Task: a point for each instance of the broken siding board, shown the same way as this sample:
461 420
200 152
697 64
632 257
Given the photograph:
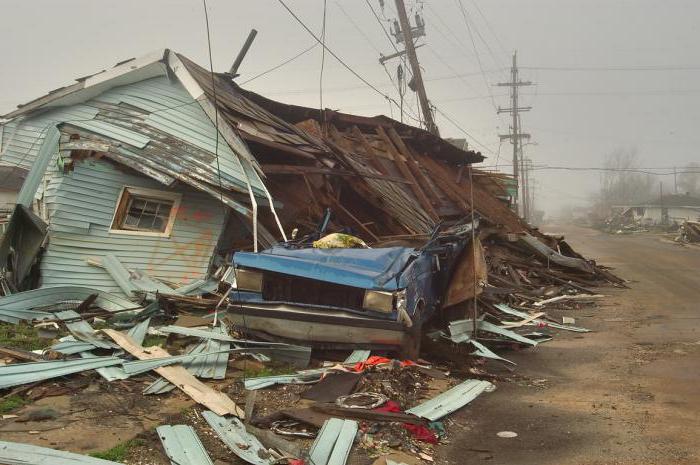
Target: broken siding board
333 443
14 453
182 445
450 400
233 433
22 146
200 392
541 322
25 373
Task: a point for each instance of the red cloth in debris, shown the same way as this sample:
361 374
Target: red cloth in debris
377 360
389 406
296 462
420 432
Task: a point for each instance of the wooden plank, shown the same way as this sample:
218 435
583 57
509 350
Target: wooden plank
406 172
370 415
301 169
415 167
446 184
217 402
20 354
371 153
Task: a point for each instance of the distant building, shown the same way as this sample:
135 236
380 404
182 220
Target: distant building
673 208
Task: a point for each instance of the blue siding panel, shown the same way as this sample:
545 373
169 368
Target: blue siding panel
181 258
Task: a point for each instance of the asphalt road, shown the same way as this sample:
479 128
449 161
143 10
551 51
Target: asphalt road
628 393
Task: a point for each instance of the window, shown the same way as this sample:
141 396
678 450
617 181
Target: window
145 212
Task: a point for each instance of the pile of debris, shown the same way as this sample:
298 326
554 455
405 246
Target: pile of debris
163 201
689 232
381 399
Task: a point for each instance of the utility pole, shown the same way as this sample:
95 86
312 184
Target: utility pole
516 136
407 35
675 181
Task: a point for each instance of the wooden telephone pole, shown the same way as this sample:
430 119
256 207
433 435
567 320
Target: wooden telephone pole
516 137
407 32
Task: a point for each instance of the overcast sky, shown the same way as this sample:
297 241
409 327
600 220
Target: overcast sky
610 73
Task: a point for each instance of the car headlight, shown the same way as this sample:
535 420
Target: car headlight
379 301
249 280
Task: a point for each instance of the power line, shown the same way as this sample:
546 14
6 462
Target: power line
488 25
463 131
386 33
216 106
334 55
276 67
478 33
615 68
323 62
649 171
476 52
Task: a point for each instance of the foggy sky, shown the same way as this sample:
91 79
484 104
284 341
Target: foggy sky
577 116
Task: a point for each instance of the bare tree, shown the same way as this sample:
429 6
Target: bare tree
620 184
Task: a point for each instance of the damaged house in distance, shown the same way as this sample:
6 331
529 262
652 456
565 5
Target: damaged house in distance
160 182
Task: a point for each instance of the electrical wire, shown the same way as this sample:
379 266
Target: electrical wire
216 126
488 25
323 62
614 68
463 131
476 52
376 49
334 55
285 62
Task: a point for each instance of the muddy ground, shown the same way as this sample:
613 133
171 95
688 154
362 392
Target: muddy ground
625 394
629 393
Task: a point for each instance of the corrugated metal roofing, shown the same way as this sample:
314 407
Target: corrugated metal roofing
358 356
14 453
82 330
24 373
182 445
461 329
506 309
44 297
233 433
450 400
333 443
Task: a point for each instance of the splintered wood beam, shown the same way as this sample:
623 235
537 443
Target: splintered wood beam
445 184
305 170
371 153
414 165
406 172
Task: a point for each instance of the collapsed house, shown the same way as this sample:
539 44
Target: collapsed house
158 192
149 176
671 209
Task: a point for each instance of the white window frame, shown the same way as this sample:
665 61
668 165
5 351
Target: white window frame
174 197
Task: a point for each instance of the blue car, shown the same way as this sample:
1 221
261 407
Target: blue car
343 297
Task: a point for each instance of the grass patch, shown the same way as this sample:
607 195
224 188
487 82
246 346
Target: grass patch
153 340
255 371
11 403
21 336
119 452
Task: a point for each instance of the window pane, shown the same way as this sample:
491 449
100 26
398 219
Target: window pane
147 214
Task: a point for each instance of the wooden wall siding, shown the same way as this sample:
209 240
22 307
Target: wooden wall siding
81 206
148 108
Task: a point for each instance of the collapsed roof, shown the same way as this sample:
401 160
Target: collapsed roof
382 178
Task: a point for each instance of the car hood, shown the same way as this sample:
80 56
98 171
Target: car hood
378 269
